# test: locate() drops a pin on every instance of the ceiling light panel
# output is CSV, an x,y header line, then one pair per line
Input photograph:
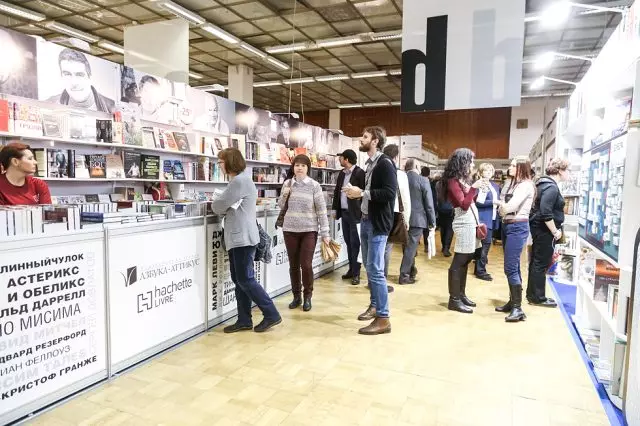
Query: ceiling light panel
x,y
299,80
253,50
369,74
111,46
350,106
287,48
277,63
183,13
333,77
333,42
21,12
65,29
267,83
220,33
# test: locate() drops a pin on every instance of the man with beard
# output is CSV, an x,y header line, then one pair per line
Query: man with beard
x,y
378,200
78,92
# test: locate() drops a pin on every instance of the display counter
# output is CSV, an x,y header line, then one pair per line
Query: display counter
x,y
76,309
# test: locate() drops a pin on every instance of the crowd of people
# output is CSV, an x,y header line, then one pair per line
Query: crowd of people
x,y
390,206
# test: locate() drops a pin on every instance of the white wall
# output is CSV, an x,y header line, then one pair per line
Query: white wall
x,y
533,109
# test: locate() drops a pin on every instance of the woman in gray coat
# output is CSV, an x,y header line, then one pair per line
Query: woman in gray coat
x,y
238,204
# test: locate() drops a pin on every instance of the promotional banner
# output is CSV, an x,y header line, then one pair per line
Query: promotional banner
x,y
211,113
461,54
74,78
278,280
18,68
156,290
52,321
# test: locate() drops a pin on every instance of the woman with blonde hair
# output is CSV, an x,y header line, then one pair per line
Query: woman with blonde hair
x,y
514,206
487,214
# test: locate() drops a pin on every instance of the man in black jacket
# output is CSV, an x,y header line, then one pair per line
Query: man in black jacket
x,y
349,210
378,201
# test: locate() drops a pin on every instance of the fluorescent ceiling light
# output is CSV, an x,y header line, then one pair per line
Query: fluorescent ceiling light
x,y
537,83
333,77
395,72
287,48
299,80
338,41
21,12
556,14
64,29
253,50
277,63
184,13
111,46
350,106
544,61
369,74
396,103
211,88
389,35
220,33
267,83
195,75
376,104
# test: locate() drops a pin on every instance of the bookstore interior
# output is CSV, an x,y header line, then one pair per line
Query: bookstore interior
x,y
135,168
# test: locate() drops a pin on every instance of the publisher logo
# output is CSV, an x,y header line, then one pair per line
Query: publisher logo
x,y
131,276
162,295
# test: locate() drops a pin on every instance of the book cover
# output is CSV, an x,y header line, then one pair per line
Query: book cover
x,y
40,154
150,165
81,169
167,170
178,170
131,162
182,141
58,163
169,141
4,115
97,166
149,138
51,124
115,168
605,275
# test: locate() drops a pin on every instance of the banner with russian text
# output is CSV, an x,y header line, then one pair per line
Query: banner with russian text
x,y
461,54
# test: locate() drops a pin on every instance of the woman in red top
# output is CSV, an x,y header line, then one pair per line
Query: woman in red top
x,y
17,186
458,190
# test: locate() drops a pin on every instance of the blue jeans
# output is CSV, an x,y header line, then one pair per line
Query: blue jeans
x,y
514,238
373,248
247,288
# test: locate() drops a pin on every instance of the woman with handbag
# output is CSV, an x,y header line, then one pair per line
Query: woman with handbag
x,y
514,208
488,215
545,221
241,236
303,210
457,189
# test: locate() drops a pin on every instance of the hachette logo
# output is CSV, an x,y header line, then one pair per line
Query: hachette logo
x,y
135,274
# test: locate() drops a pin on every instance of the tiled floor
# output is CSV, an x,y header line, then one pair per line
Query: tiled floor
x,y
435,368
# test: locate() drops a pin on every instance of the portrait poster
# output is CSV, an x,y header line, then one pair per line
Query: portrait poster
x,y
77,79
19,66
285,127
303,136
254,122
211,113
154,96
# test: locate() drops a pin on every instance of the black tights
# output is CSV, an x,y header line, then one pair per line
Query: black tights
x,y
461,260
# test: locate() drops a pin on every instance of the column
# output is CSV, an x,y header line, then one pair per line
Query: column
x,y
241,84
334,119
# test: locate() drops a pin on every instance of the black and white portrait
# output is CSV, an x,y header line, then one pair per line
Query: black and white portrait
x,y
253,122
286,127
153,94
212,113
18,67
70,77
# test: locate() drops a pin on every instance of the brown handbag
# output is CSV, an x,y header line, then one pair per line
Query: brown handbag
x,y
399,233
283,212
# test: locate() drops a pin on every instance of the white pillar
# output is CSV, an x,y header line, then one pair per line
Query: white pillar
x,y
334,119
160,49
241,84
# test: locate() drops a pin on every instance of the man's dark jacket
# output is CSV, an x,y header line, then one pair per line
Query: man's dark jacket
x,y
357,179
383,191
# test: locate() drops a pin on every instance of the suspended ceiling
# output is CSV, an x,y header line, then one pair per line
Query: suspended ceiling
x,y
268,23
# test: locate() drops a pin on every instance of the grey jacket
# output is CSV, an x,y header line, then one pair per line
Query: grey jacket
x,y
423,213
240,227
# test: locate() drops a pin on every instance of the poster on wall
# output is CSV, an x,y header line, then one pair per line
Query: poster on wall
x,y
52,321
254,122
211,113
154,96
285,127
19,66
484,70
157,288
73,78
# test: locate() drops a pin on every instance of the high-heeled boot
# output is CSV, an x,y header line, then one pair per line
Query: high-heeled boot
x,y
463,288
455,303
516,314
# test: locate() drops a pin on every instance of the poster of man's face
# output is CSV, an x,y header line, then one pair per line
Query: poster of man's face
x,y
254,122
76,79
211,113
18,66
153,94
286,128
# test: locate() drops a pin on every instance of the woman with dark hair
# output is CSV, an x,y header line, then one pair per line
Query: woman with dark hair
x,y
241,236
457,189
515,205
487,214
305,212
17,185
545,221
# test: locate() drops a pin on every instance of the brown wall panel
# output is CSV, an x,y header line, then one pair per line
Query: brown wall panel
x,y
485,131
316,118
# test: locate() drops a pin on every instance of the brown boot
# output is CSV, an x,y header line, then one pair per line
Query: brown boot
x,y
368,315
378,326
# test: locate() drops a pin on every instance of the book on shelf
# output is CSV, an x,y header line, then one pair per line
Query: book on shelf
x,y
612,300
97,166
131,162
60,163
605,275
150,165
104,131
182,141
115,167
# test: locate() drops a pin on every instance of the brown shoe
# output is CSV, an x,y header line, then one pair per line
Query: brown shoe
x,y
378,326
368,315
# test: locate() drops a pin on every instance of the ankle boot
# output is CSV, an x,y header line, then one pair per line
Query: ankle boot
x,y
463,288
297,301
307,304
455,303
516,313
504,308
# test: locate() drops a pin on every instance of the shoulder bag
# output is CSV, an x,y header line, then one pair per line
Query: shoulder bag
x,y
283,212
481,228
399,233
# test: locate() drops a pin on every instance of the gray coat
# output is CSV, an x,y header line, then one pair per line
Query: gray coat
x,y
423,213
240,227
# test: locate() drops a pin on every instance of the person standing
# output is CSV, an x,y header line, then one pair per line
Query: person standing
x,y
456,179
514,207
349,210
445,217
306,211
423,219
488,215
241,237
545,222
17,184
426,173
378,198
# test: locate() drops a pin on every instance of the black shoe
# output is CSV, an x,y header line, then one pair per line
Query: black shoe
x,y
266,324
307,304
405,279
546,303
516,314
458,306
390,289
414,273
504,308
446,253
484,277
297,301
463,288
355,280
466,301
455,302
234,328
347,276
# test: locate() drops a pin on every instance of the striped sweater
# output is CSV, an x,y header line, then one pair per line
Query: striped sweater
x,y
307,207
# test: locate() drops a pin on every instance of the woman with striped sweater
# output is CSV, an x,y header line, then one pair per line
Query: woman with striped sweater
x,y
306,212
